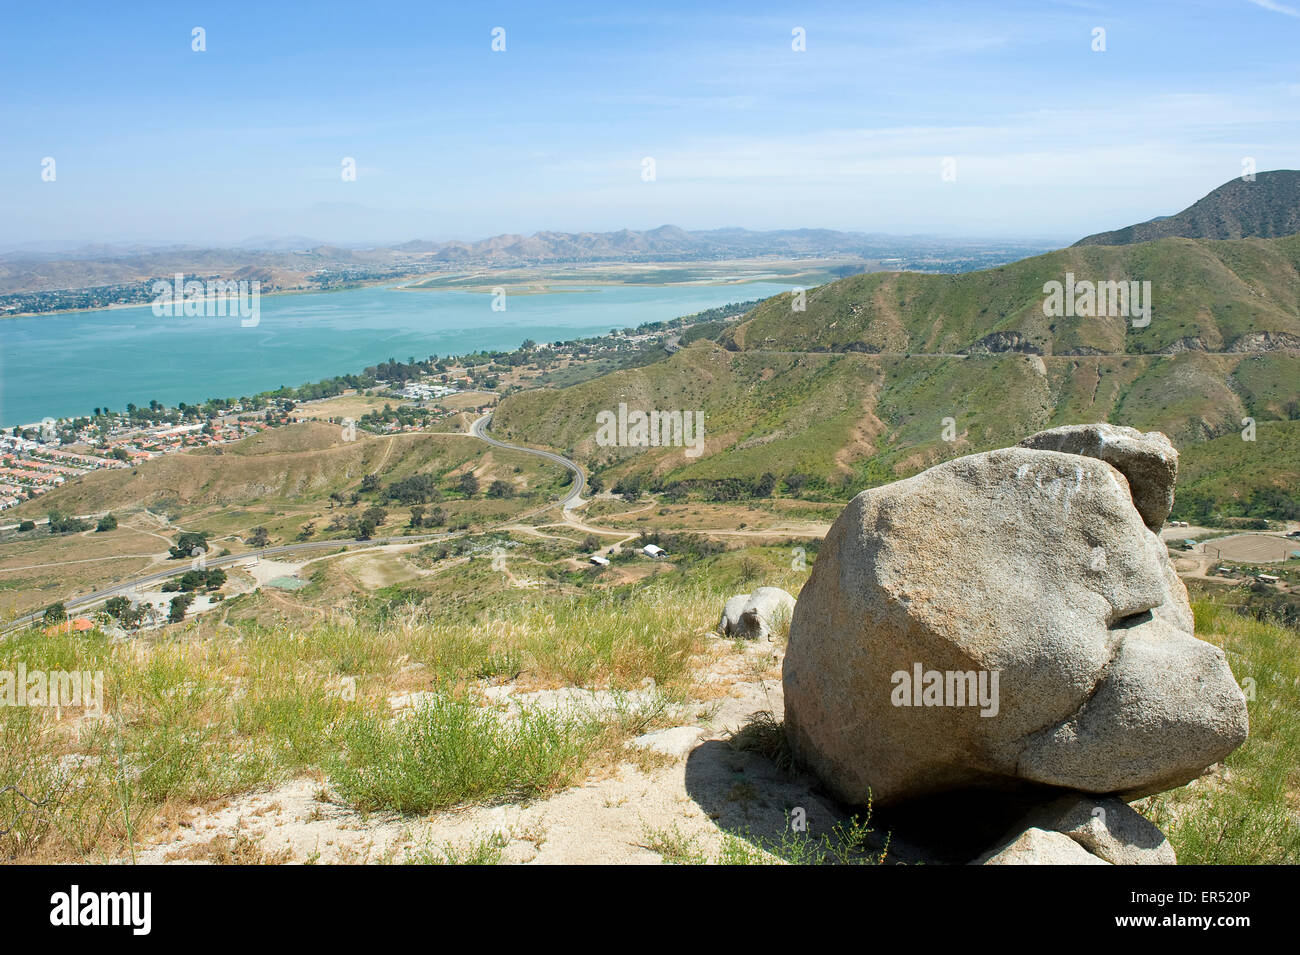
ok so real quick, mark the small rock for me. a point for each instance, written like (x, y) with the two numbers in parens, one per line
(1108, 828)
(1148, 461)
(1040, 847)
(756, 615)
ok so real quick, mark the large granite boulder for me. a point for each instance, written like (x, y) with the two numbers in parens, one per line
(1148, 461)
(1002, 620)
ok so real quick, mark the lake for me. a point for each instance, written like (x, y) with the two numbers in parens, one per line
(68, 364)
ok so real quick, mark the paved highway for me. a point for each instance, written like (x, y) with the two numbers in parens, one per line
(574, 497)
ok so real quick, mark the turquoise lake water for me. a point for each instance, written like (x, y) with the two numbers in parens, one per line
(68, 364)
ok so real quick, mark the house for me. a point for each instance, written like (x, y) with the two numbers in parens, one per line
(598, 560)
(653, 550)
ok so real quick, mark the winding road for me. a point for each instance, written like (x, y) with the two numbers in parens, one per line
(571, 499)
(574, 497)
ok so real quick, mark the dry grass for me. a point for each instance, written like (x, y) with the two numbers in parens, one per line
(200, 713)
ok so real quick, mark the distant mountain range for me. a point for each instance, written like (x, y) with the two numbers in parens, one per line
(670, 243)
(1266, 208)
(291, 263)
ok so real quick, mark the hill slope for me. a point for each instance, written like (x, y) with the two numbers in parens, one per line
(1267, 208)
(1231, 296)
(856, 389)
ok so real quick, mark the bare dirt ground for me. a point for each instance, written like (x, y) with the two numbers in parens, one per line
(1252, 548)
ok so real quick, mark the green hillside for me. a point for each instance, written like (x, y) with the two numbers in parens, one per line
(1213, 296)
(854, 391)
(1231, 477)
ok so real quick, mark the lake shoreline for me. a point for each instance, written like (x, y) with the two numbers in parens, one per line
(302, 341)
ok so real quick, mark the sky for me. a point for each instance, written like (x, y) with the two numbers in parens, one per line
(153, 141)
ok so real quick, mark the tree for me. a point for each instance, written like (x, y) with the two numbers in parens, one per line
(56, 613)
(629, 487)
(27, 526)
(106, 523)
(502, 489)
(180, 603)
(258, 538)
(116, 606)
(766, 485)
(417, 516)
(124, 612)
(416, 489)
(369, 483)
(187, 544)
(65, 523)
(468, 484)
(193, 580)
(795, 482)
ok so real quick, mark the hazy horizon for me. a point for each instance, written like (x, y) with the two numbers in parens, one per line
(254, 243)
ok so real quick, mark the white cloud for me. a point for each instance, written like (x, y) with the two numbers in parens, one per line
(1277, 7)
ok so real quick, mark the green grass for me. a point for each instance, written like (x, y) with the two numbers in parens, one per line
(1249, 817)
(199, 713)
(453, 751)
(487, 850)
(848, 843)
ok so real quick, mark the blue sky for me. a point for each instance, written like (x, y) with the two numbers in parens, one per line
(155, 142)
